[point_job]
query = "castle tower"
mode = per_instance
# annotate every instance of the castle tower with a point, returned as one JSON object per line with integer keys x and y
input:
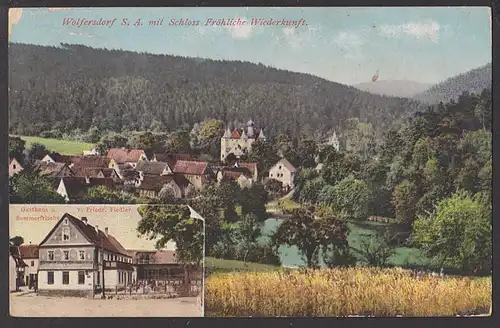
{"x": 224, "y": 144}
{"x": 334, "y": 141}
{"x": 250, "y": 129}
{"x": 261, "y": 135}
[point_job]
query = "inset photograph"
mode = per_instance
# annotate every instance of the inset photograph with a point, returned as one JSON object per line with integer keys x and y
{"x": 105, "y": 261}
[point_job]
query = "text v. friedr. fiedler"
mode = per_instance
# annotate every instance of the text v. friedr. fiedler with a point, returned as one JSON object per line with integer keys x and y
{"x": 173, "y": 22}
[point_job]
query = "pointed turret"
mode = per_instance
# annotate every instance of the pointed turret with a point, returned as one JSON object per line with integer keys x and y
{"x": 244, "y": 135}
{"x": 261, "y": 134}
{"x": 227, "y": 134}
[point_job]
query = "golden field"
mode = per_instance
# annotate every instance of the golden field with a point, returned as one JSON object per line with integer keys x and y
{"x": 344, "y": 292}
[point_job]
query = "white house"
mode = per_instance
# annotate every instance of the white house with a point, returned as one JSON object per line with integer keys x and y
{"x": 12, "y": 274}
{"x": 29, "y": 253}
{"x": 283, "y": 171}
{"x": 14, "y": 167}
{"x": 75, "y": 256}
{"x": 92, "y": 152}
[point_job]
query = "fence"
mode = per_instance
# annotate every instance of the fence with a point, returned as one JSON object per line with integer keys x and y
{"x": 171, "y": 287}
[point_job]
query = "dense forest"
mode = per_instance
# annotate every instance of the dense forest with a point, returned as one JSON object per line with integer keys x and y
{"x": 473, "y": 81}
{"x": 76, "y": 88}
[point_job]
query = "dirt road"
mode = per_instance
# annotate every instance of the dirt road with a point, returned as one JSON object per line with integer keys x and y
{"x": 40, "y": 306}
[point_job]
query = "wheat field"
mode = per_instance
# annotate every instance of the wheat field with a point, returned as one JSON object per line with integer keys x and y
{"x": 344, "y": 292}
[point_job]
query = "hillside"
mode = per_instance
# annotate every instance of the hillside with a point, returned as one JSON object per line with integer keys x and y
{"x": 396, "y": 88}
{"x": 473, "y": 81}
{"x": 76, "y": 87}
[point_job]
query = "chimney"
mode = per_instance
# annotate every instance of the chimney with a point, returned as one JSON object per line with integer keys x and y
{"x": 97, "y": 229}
{"x": 87, "y": 180}
{"x": 106, "y": 231}
{"x": 84, "y": 219}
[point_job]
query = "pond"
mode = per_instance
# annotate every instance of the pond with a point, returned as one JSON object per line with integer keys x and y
{"x": 291, "y": 256}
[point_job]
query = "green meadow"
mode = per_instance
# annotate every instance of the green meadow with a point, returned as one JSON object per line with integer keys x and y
{"x": 65, "y": 147}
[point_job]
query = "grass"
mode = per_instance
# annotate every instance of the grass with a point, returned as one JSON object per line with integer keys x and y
{"x": 65, "y": 147}
{"x": 219, "y": 265}
{"x": 344, "y": 292}
{"x": 285, "y": 204}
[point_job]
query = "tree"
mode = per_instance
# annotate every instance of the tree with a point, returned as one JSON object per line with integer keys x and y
{"x": 459, "y": 233}
{"x": 166, "y": 195}
{"x": 377, "y": 250}
{"x": 16, "y": 241}
{"x": 94, "y": 135}
{"x": 264, "y": 153}
{"x": 29, "y": 187}
{"x": 206, "y": 136}
{"x": 404, "y": 199}
{"x": 227, "y": 195}
{"x": 103, "y": 195}
{"x": 311, "y": 191}
{"x": 306, "y": 152}
{"x": 173, "y": 223}
{"x": 253, "y": 200}
{"x": 310, "y": 234}
{"x": 37, "y": 151}
{"x": 273, "y": 186}
{"x": 16, "y": 148}
{"x": 351, "y": 195}
{"x": 178, "y": 142}
{"x": 147, "y": 141}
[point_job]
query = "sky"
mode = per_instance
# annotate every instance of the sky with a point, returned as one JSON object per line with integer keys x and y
{"x": 343, "y": 44}
{"x": 33, "y": 223}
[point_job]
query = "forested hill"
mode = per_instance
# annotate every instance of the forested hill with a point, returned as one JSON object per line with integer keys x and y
{"x": 473, "y": 81}
{"x": 75, "y": 86}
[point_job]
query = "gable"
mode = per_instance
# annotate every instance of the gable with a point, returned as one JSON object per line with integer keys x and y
{"x": 65, "y": 224}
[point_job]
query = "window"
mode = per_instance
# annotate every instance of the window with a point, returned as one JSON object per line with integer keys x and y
{"x": 65, "y": 222}
{"x": 81, "y": 277}
{"x": 66, "y": 255}
{"x": 279, "y": 167}
{"x": 82, "y": 255}
{"x": 50, "y": 277}
{"x": 51, "y": 255}
{"x": 65, "y": 234}
{"x": 271, "y": 175}
{"x": 65, "y": 276}
{"x": 32, "y": 263}
{"x": 98, "y": 280}
{"x": 14, "y": 166}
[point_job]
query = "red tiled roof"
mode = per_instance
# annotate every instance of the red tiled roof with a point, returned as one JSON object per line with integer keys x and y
{"x": 172, "y": 158}
{"x": 236, "y": 134}
{"x": 76, "y": 186}
{"x": 58, "y": 158}
{"x": 190, "y": 167}
{"x": 234, "y": 173}
{"x": 155, "y": 257}
{"x": 90, "y": 161}
{"x": 154, "y": 168}
{"x": 164, "y": 257}
{"x": 250, "y": 166}
{"x": 86, "y": 171}
{"x": 155, "y": 182}
{"x": 108, "y": 172}
{"x": 98, "y": 238}
{"x": 123, "y": 155}
{"x": 29, "y": 251}
{"x": 49, "y": 169}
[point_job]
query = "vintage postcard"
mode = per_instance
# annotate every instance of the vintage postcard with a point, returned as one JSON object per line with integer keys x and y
{"x": 340, "y": 157}
{"x": 105, "y": 260}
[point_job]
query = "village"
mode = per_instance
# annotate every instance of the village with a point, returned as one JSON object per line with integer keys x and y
{"x": 133, "y": 172}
